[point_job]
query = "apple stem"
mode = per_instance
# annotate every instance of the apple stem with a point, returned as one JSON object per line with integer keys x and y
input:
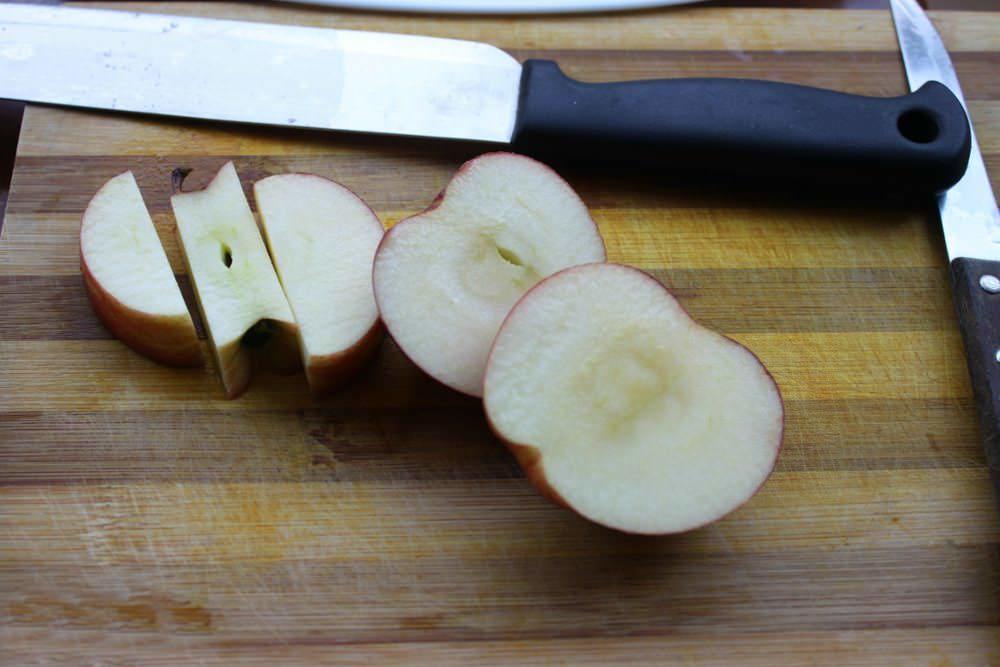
{"x": 177, "y": 177}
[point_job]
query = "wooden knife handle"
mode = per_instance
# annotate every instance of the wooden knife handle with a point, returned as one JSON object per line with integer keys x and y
{"x": 765, "y": 130}
{"x": 976, "y": 286}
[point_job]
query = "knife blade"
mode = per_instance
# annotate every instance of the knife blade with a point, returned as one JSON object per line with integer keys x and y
{"x": 407, "y": 85}
{"x": 971, "y": 224}
{"x": 258, "y": 73}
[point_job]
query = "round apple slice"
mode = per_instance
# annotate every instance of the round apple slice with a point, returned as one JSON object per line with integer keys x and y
{"x": 446, "y": 278}
{"x": 322, "y": 239}
{"x": 621, "y": 407}
{"x": 129, "y": 280}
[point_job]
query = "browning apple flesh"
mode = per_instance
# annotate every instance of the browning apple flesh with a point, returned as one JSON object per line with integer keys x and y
{"x": 620, "y": 406}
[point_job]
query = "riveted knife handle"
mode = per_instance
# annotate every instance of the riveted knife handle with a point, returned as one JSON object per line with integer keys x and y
{"x": 918, "y": 142}
{"x": 973, "y": 283}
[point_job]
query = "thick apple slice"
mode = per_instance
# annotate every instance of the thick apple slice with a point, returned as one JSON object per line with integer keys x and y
{"x": 620, "y": 406}
{"x": 446, "y": 278}
{"x": 241, "y": 302}
{"x": 322, "y": 239}
{"x": 129, "y": 280}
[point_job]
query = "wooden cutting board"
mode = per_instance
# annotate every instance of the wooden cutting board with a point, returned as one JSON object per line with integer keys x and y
{"x": 146, "y": 520}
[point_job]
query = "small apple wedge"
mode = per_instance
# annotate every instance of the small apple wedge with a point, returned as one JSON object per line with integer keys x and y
{"x": 322, "y": 239}
{"x": 245, "y": 312}
{"x": 621, "y": 407}
{"x": 446, "y": 278}
{"x": 129, "y": 280}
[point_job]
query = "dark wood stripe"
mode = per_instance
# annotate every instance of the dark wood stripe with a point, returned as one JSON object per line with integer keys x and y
{"x": 814, "y": 300}
{"x": 880, "y": 434}
{"x": 57, "y": 308}
{"x": 876, "y": 73}
{"x": 786, "y": 300}
{"x": 65, "y": 185}
{"x": 414, "y": 446}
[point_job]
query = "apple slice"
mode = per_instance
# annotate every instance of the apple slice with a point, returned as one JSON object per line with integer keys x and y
{"x": 241, "y": 302}
{"x": 446, "y": 278}
{"x": 129, "y": 280}
{"x": 621, "y": 407}
{"x": 322, "y": 239}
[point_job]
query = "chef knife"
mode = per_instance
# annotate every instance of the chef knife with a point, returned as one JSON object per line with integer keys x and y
{"x": 409, "y": 85}
{"x": 971, "y": 226}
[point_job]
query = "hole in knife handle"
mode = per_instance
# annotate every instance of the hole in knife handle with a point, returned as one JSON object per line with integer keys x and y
{"x": 227, "y": 255}
{"x": 918, "y": 125}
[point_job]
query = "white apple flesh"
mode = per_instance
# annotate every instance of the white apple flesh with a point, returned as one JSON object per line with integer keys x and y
{"x": 620, "y": 406}
{"x": 322, "y": 239}
{"x": 446, "y": 278}
{"x": 128, "y": 277}
{"x": 244, "y": 309}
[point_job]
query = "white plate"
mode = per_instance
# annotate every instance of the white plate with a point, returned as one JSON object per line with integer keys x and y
{"x": 496, "y": 6}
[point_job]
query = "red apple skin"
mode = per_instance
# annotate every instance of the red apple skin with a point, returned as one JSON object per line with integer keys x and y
{"x": 330, "y": 372}
{"x": 153, "y": 337}
{"x": 530, "y": 459}
{"x": 435, "y": 203}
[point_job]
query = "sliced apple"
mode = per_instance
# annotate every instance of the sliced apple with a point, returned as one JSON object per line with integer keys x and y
{"x": 620, "y": 406}
{"x": 129, "y": 280}
{"x": 446, "y": 278}
{"x": 322, "y": 239}
{"x": 244, "y": 309}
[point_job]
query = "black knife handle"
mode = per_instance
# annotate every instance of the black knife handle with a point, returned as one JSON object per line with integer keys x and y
{"x": 919, "y": 142}
{"x": 973, "y": 282}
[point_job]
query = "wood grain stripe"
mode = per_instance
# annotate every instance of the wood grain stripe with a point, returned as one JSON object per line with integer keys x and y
{"x": 105, "y": 375}
{"x": 57, "y": 308}
{"x": 200, "y": 526}
{"x": 410, "y": 445}
{"x": 699, "y": 28}
{"x": 40, "y": 244}
{"x": 814, "y": 300}
{"x": 437, "y": 601}
{"x": 956, "y": 646}
{"x": 64, "y": 187}
{"x": 793, "y": 300}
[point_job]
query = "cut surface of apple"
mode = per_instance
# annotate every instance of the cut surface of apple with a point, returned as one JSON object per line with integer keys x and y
{"x": 322, "y": 239}
{"x": 446, "y": 278}
{"x": 620, "y": 406}
{"x": 241, "y": 302}
{"x": 129, "y": 280}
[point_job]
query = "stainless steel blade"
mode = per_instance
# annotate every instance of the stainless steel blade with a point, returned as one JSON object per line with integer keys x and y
{"x": 258, "y": 73}
{"x": 969, "y": 213}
